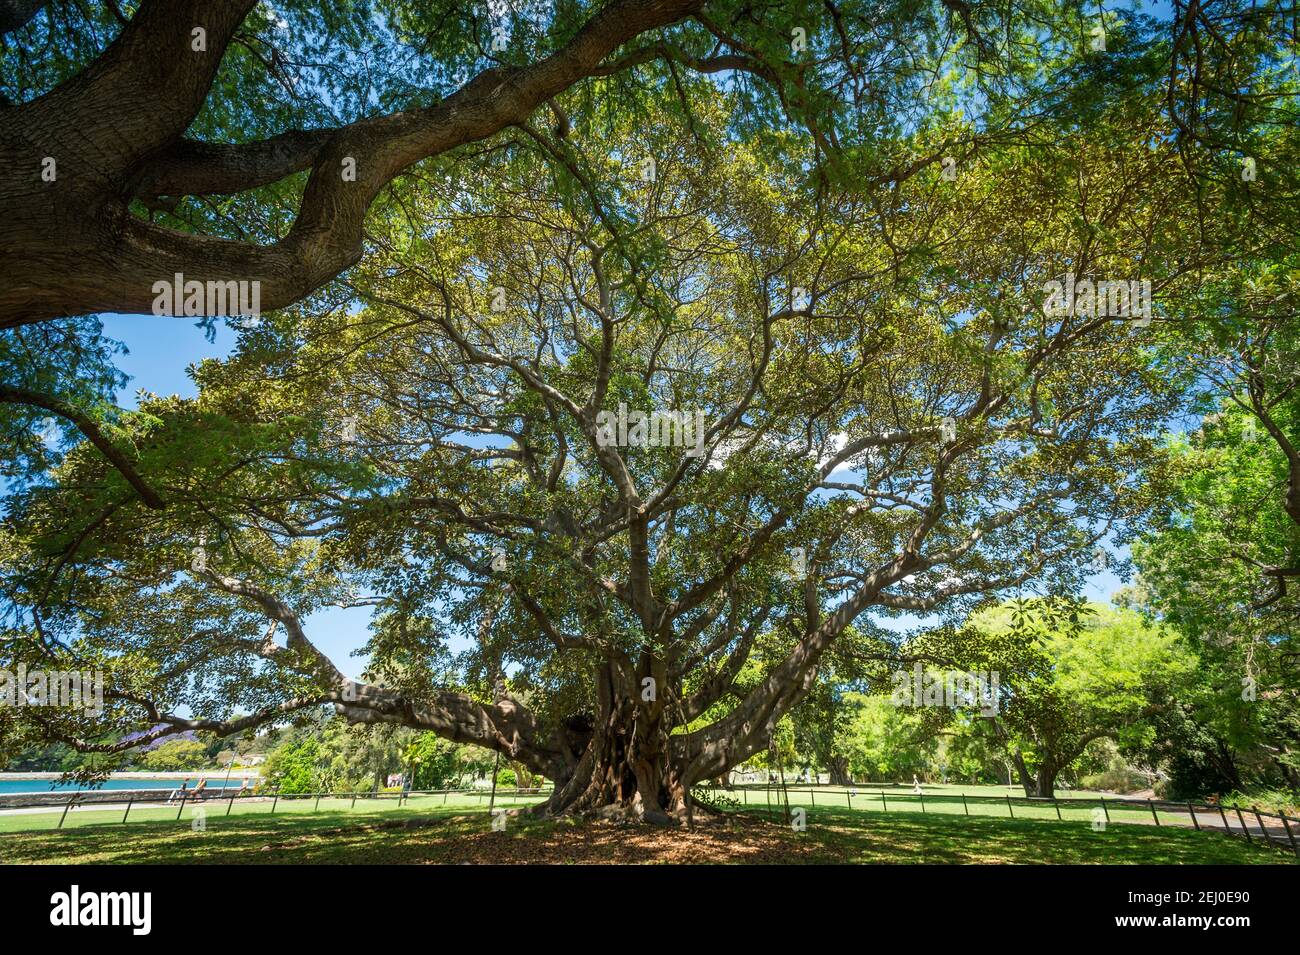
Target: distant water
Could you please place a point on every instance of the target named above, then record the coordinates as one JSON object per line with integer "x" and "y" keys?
{"x": 9, "y": 786}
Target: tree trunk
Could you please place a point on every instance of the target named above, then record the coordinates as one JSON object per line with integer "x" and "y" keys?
{"x": 1027, "y": 781}
{"x": 839, "y": 770}
{"x": 619, "y": 759}
{"x": 624, "y": 774}
{"x": 115, "y": 132}
{"x": 1045, "y": 783}
{"x": 625, "y": 771}
{"x": 523, "y": 778}
{"x": 1228, "y": 764}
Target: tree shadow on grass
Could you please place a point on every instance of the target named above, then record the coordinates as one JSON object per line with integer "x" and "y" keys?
{"x": 832, "y": 836}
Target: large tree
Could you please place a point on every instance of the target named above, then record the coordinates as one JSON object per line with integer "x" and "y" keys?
{"x": 891, "y": 421}
{"x": 439, "y": 450}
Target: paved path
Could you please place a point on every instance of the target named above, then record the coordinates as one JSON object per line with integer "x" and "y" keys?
{"x": 1272, "y": 830}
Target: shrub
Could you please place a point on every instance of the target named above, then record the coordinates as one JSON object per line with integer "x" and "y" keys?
{"x": 1115, "y": 779}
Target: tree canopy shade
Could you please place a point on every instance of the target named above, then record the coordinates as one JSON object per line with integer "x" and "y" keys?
{"x": 166, "y": 72}
{"x": 633, "y": 410}
{"x": 235, "y": 141}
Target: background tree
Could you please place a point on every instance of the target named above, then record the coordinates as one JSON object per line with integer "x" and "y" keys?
{"x": 1072, "y": 675}
{"x": 1206, "y": 573}
{"x": 887, "y": 743}
{"x": 175, "y": 755}
{"x": 294, "y": 766}
{"x": 439, "y": 762}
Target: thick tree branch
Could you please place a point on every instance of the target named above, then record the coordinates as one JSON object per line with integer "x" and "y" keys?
{"x": 191, "y": 168}
{"x": 110, "y": 261}
{"x": 13, "y": 394}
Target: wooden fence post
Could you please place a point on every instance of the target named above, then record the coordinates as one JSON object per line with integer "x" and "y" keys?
{"x": 1104, "y": 809}
{"x": 274, "y": 803}
{"x": 963, "y": 804}
{"x": 184, "y": 796}
{"x": 1259, "y": 819}
{"x": 1010, "y": 811}
{"x": 66, "y": 807}
{"x": 1057, "y": 805}
{"x": 128, "y": 808}
{"x": 1244, "y": 828}
{"x": 1289, "y": 835}
{"x": 1192, "y": 812}
{"x": 1152, "y": 807}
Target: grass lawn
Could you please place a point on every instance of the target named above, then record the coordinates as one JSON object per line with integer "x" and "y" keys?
{"x": 978, "y": 801}
{"x": 431, "y": 834}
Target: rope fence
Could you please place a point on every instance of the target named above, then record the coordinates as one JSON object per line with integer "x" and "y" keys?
{"x": 1253, "y": 824}
{"x": 273, "y": 802}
